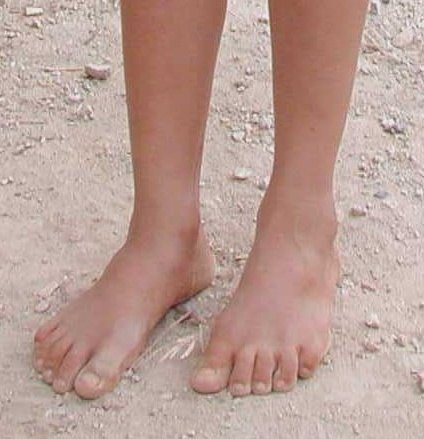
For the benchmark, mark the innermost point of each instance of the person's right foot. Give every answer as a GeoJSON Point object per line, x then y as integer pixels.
{"type": "Point", "coordinates": [88, 344]}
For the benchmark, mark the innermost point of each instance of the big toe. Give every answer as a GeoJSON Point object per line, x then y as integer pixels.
{"type": "Point", "coordinates": [210, 379]}
{"type": "Point", "coordinates": [213, 374]}
{"type": "Point", "coordinates": [102, 373]}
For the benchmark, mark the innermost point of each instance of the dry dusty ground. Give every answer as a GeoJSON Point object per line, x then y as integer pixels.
{"type": "Point", "coordinates": [65, 198]}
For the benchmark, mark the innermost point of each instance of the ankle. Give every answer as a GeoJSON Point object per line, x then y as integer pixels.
{"type": "Point", "coordinates": [178, 230]}
{"type": "Point", "coordinates": [308, 216]}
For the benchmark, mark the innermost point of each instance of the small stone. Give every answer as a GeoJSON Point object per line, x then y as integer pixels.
{"type": "Point", "coordinates": [238, 136]}
{"type": "Point", "coordinates": [416, 345]}
{"type": "Point", "coordinates": [167, 396]}
{"type": "Point", "coordinates": [98, 71]}
{"type": "Point", "coordinates": [367, 287]}
{"type": "Point", "coordinates": [400, 340]}
{"type": "Point", "coordinates": [357, 212]}
{"type": "Point", "coordinates": [191, 433]}
{"type": "Point", "coordinates": [32, 11]}
{"type": "Point", "coordinates": [48, 290]}
{"type": "Point", "coordinates": [404, 38]}
{"type": "Point", "coordinates": [420, 380]}
{"type": "Point", "coordinates": [242, 173]}
{"type": "Point", "coordinates": [371, 347]}
{"type": "Point", "coordinates": [392, 126]}
{"type": "Point", "coordinates": [381, 195]}
{"type": "Point", "coordinates": [375, 7]}
{"type": "Point", "coordinates": [6, 181]}
{"type": "Point", "coordinates": [263, 184]}
{"type": "Point", "coordinates": [373, 321]}
{"type": "Point", "coordinates": [42, 306]}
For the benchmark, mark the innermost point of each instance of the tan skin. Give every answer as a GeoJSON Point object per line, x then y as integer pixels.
{"type": "Point", "coordinates": [277, 326]}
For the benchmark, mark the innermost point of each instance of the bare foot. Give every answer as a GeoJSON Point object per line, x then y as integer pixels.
{"type": "Point", "coordinates": [277, 326]}
{"type": "Point", "coordinates": [88, 344]}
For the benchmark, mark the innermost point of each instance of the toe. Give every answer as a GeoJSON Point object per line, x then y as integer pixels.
{"type": "Point", "coordinates": [41, 349]}
{"type": "Point", "coordinates": [309, 359]}
{"type": "Point", "coordinates": [45, 329]}
{"type": "Point", "coordinates": [262, 374]}
{"type": "Point", "coordinates": [74, 360]}
{"type": "Point", "coordinates": [54, 356]}
{"type": "Point", "coordinates": [285, 376]}
{"type": "Point", "coordinates": [241, 376]}
{"type": "Point", "coordinates": [213, 374]}
{"type": "Point", "coordinates": [103, 372]}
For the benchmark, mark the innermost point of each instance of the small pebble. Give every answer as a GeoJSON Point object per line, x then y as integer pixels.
{"type": "Point", "coordinates": [400, 340]}
{"type": "Point", "coordinates": [404, 38]}
{"type": "Point", "coordinates": [357, 212]}
{"type": "Point", "coordinates": [242, 173]}
{"type": "Point", "coordinates": [373, 321]}
{"type": "Point", "coordinates": [167, 396]}
{"type": "Point", "coordinates": [32, 11]}
{"type": "Point", "coordinates": [42, 306]}
{"type": "Point", "coordinates": [392, 126]}
{"type": "Point", "coordinates": [238, 136]}
{"type": "Point", "coordinates": [371, 347]}
{"type": "Point", "coordinates": [98, 71]}
{"type": "Point", "coordinates": [375, 7]}
{"type": "Point", "coordinates": [420, 379]}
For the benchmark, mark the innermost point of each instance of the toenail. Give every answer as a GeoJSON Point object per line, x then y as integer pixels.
{"type": "Point", "coordinates": [259, 387]}
{"type": "Point", "coordinates": [305, 373]}
{"type": "Point", "coordinates": [206, 373]}
{"type": "Point", "coordinates": [59, 385]}
{"type": "Point", "coordinates": [91, 379]}
{"type": "Point", "coordinates": [282, 386]}
{"type": "Point", "coordinates": [239, 389]}
{"type": "Point", "coordinates": [48, 375]}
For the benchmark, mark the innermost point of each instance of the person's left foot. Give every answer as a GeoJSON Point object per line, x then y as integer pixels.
{"type": "Point", "coordinates": [277, 326]}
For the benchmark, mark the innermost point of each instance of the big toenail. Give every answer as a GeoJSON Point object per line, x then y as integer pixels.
{"type": "Point", "coordinates": [91, 379]}
{"type": "Point", "coordinates": [206, 373]}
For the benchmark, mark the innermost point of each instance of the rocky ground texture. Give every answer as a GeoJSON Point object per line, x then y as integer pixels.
{"type": "Point", "coordinates": [65, 197]}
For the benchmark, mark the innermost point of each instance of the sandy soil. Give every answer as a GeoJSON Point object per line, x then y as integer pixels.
{"type": "Point", "coordinates": [65, 197]}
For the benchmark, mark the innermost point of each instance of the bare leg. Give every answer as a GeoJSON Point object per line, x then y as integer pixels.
{"type": "Point", "coordinates": [277, 326]}
{"type": "Point", "coordinates": [170, 51]}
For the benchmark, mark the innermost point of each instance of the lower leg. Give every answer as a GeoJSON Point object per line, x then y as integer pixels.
{"type": "Point", "coordinates": [169, 50]}
{"type": "Point", "coordinates": [277, 326]}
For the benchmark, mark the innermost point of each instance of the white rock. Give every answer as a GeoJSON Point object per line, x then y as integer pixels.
{"type": "Point", "coordinates": [404, 38]}
{"type": "Point", "coordinates": [32, 11]}
{"type": "Point", "coordinates": [98, 71]}
{"type": "Point", "coordinates": [242, 173]}
{"type": "Point", "coordinates": [238, 136]}
{"type": "Point", "coordinates": [373, 321]}
{"type": "Point", "coordinates": [357, 211]}
{"type": "Point", "coordinates": [375, 7]}
{"type": "Point", "coordinates": [42, 306]}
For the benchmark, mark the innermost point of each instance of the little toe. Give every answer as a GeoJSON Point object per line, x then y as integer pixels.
{"type": "Point", "coordinates": [74, 360]}
{"type": "Point", "coordinates": [285, 376]}
{"type": "Point", "coordinates": [241, 376]}
{"type": "Point", "coordinates": [102, 373]}
{"type": "Point", "coordinates": [213, 374]}
{"type": "Point", "coordinates": [309, 359]}
{"type": "Point", "coordinates": [263, 371]}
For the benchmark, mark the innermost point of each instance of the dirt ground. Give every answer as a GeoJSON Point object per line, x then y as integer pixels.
{"type": "Point", "coordinates": [65, 199]}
